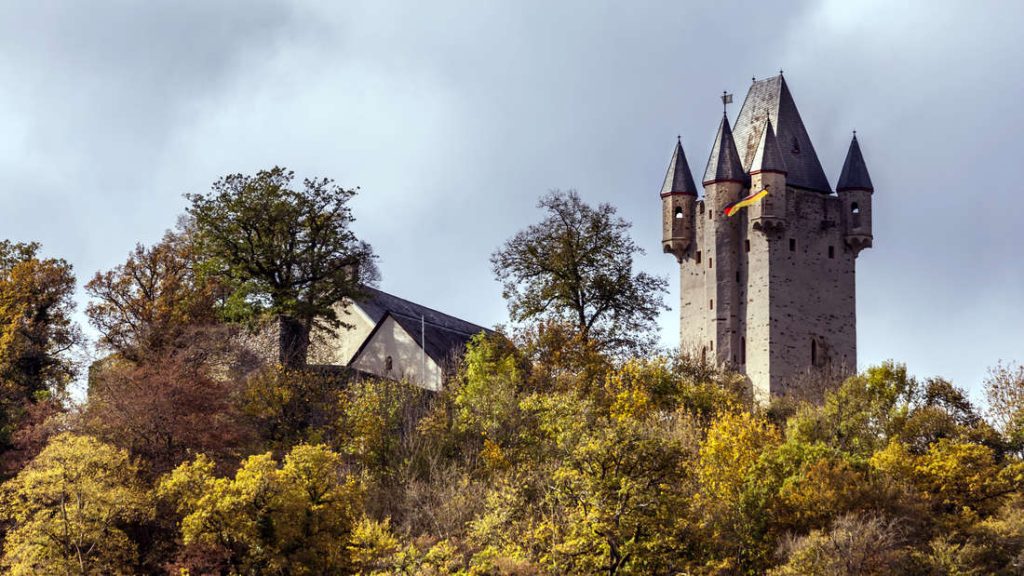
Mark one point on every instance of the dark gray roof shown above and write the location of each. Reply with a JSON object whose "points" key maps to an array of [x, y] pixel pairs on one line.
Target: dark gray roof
{"points": [[724, 164], [678, 179], [444, 334], [770, 98], [855, 172], [768, 156]]}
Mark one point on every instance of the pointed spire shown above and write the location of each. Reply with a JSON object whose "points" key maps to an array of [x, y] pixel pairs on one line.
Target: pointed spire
{"points": [[770, 98], [768, 156], [678, 179], [855, 172], [724, 164]]}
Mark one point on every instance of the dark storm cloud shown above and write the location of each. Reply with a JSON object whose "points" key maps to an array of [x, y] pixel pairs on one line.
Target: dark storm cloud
{"points": [[454, 117]]}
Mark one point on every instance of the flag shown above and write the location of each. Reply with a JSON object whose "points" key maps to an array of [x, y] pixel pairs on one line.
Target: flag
{"points": [[749, 200]]}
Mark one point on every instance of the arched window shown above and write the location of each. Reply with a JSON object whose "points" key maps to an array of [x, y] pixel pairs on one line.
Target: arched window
{"points": [[388, 364], [679, 212], [855, 214]]}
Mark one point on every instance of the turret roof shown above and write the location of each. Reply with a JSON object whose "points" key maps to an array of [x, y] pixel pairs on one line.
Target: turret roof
{"points": [[770, 99], [855, 172], [678, 179], [724, 164], [768, 156]]}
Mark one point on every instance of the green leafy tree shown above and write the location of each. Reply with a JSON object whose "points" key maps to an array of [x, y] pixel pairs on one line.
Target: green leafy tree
{"points": [[294, 519], [576, 266], [36, 333], [69, 507], [619, 506], [284, 250]]}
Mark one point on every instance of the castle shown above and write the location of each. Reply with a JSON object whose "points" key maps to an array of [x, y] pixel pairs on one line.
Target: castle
{"points": [[769, 291]]}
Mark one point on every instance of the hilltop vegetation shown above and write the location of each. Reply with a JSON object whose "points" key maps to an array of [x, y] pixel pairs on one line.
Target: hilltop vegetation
{"points": [[567, 445]]}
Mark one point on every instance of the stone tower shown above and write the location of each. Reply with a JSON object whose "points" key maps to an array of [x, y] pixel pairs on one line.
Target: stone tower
{"points": [[769, 291]]}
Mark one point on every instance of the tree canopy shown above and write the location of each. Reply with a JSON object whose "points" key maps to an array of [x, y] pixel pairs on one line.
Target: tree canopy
{"points": [[284, 249], [576, 266]]}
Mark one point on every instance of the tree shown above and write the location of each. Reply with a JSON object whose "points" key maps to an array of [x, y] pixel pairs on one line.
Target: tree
{"points": [[855, 545], [1004, 390], [36, 332], [153, 300], [172, 405], [291, 519], [576, 266], [69, 507], [284, 250]]}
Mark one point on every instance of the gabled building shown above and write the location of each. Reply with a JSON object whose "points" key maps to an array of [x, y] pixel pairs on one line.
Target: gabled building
{"points": [[394, 338]]}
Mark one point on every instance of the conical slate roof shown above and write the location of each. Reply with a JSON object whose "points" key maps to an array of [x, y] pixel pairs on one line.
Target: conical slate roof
{"points": [[768, 156], [678, 179], [724, 164], [770, 99], [855, 172]]}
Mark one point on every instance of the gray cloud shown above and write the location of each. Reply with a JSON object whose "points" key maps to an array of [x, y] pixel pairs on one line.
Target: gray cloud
{"points": [[454, 117]]}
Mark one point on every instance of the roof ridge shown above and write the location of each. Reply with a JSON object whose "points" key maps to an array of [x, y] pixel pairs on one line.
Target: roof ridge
{"points": [[375, 291]]}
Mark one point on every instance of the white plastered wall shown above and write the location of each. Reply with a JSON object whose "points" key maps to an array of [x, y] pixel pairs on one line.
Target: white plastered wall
{"points": [[407, 359], [339, 348]]}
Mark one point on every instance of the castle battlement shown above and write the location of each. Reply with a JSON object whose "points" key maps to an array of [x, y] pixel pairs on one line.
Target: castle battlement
{"points": [[769, 291]]}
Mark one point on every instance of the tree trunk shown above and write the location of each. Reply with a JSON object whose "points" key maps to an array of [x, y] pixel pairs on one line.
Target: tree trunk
{"points": [[294, 342]]}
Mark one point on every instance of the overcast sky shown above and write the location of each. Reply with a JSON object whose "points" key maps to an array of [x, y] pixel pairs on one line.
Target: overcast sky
{"points": [[453, 117]]}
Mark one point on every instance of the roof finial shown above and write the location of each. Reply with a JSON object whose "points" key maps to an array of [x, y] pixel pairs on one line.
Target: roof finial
{"points": [[854, 133], [753, 79], [726, 100], [679, 138], [780, 71]]}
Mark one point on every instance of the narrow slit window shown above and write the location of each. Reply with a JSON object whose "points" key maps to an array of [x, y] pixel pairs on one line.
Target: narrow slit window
{"points": [[712, 343], [698, 256], [746, 245], [792, 244], [388, 364], [709, 261], [743, 350], [711, 304], [831, 251], [814, 352], [737, 276]]}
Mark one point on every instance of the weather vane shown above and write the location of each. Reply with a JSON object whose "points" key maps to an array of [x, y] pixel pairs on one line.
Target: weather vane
{"points": [[726, 100]]}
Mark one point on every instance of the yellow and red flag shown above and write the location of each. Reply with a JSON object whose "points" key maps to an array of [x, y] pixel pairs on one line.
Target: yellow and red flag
{"points": [[744, 202]]}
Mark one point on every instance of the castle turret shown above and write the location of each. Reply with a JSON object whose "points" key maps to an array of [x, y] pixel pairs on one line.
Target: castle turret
{"points": [[768, 172], [724, 176], [855, 192], [678, 203], [724, 183]]}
